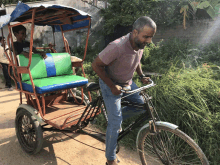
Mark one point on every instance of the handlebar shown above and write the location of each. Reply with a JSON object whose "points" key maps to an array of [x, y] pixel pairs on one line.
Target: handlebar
{"points": [[130, 92]]}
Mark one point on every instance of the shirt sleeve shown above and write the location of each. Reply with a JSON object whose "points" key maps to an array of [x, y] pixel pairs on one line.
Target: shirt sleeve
{"points": [[109, 54]]}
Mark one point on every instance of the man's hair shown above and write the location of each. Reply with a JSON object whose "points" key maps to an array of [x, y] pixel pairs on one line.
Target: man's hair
{"points": [[18, 28], [144, 21]]}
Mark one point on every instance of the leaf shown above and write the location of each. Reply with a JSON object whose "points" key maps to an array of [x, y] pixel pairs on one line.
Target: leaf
{"points": [[184, 8], [194, 4], [203, 5], [214, 2], [217, 9], [211, 12], [181, 10]]}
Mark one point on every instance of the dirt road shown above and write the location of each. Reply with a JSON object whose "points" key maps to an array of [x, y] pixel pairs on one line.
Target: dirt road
{"points": [[58, 148]]}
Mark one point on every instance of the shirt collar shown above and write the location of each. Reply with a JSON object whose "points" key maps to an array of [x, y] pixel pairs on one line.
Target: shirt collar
{"points": [[129, 43]]}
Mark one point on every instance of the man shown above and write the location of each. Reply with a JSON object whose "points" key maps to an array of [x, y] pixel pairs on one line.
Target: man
{"points": [[4, 62], [115, 66]]}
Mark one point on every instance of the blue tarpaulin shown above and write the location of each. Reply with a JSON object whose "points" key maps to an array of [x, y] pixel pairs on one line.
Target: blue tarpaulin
{"points": [[76, 17]]}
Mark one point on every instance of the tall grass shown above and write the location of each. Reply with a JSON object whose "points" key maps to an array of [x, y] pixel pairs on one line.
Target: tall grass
{"points": [[189, 98]]}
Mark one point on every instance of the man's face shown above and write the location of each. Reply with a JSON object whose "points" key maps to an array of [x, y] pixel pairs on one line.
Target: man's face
{"points": [[21, 35], [144, 37]]}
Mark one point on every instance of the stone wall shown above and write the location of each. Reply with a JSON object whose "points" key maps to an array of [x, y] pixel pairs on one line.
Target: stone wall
{"points": [[201, 32]]}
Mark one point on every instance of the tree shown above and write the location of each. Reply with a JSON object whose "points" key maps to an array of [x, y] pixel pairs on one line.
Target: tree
{"points": [[211, 7], [184, 10], [125, 12]]}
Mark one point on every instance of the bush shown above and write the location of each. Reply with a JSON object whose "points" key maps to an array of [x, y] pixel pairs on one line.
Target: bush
{"points": [[124, 13], [160, 57]]}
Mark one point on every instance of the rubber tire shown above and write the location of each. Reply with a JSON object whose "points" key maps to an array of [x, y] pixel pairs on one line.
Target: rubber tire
{"points": [[178, 133], [37, 128], [78, 96]]}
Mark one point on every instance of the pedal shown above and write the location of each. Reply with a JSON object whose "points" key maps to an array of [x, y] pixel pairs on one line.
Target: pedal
{"points": [[118, 161], [149, 98]]}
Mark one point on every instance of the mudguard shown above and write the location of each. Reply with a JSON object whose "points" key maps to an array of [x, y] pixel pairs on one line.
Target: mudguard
{"points": [[158, 123], [33, 111]]}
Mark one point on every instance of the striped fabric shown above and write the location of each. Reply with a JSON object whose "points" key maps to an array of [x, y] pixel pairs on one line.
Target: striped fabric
{"points": [[54, 65], [50, 65]]}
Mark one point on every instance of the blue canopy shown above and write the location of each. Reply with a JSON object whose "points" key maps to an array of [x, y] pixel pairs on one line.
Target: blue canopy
{"points": [[51, 15]]}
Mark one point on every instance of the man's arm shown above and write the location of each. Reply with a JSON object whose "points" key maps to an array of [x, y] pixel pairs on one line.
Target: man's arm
{"points": [[26, 54], [43, 54], [139, 70], [99, 67], [145, 80]]}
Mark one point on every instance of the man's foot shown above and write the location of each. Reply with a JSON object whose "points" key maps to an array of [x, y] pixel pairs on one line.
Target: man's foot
{"points": [[112, 162], [9, 88]]}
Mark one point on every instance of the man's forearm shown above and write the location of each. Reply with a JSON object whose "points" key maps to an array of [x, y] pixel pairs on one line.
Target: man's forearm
{"points": [[103, 75], [139, 70]]}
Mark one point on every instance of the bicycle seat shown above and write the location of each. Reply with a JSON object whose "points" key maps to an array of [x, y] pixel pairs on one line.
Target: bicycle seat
{"points": [[91, 86]]}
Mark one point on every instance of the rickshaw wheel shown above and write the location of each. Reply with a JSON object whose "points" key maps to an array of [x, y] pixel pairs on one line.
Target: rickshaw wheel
{"points": [[29, 132]]}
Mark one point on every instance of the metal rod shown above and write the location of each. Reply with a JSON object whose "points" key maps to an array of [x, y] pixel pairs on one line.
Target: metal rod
{"points": [[87, 39]]}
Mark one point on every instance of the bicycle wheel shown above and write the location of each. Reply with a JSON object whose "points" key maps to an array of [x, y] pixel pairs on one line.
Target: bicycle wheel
{"points": [[28, 131], [169, 147], [78, 96]]}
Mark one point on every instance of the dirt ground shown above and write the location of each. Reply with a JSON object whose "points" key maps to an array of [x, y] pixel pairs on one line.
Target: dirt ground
{"points": [[58, 148]]}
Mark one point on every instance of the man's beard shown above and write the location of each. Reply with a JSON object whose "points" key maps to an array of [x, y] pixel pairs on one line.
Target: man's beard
{"points": [[139, 44]]}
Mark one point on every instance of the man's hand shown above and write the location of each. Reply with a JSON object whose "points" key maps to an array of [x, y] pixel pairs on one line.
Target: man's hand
{"points": [[145, 80], [116, 89], [43, 54], [26, 54]]}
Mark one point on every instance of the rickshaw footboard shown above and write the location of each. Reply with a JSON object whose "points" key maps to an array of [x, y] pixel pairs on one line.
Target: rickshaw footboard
{"points": [[65, 115]]}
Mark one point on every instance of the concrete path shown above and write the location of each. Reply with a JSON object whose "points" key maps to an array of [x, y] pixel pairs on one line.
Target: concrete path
{"points": [[58, 148]]}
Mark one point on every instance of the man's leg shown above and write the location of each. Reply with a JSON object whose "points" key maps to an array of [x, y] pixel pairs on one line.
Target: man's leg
{"points": [[127, 111], [114, 119], [6, 75]]}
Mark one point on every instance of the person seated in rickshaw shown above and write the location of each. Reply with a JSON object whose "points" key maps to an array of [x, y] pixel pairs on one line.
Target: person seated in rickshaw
{"points": [[21, 46]]}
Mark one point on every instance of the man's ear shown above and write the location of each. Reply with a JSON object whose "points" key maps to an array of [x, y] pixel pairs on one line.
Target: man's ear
{"points": [[135, 32]]}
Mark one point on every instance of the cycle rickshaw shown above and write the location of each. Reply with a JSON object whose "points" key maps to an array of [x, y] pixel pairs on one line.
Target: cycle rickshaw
{"points": [[48, 85]]}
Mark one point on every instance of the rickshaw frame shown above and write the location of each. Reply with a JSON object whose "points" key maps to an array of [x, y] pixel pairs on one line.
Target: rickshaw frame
{"points": [[40, 102]]}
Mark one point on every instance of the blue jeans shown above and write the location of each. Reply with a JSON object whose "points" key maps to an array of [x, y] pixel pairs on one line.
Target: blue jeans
{"points": [[116, 114]]}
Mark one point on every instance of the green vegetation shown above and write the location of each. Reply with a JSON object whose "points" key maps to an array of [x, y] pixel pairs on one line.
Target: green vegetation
{"points": [[124, 13], [189, 98]]}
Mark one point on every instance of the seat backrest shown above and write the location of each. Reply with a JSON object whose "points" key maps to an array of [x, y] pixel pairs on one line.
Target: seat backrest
{"points": [[55, 64]]}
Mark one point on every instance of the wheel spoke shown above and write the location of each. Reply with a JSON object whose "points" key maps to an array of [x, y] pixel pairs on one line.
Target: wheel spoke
{"points": [[28, 131], [168, 147]]}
